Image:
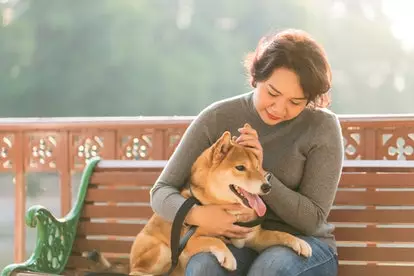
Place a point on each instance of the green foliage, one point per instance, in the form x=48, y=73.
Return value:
x=159, y=57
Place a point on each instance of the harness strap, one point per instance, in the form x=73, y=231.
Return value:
x=177, y=244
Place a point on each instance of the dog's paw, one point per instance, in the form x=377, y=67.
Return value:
x=302, y=248
x=226, y=259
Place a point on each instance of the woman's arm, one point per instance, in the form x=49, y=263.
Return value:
x=308, y=207
x=165, y=197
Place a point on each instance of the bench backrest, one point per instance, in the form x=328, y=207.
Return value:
x=374, y=218
x=116, y=208
x=373, y=214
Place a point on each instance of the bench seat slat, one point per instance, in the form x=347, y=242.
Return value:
x=103, y=246
x=376, y=254
x=107, y=211
x=368, y=270
x=372, y=216
x=81, y=263
x=375, y=198
x=117, y=195
x=86, y=228
x=377, y=180
x=128, y=178
x=373, y=234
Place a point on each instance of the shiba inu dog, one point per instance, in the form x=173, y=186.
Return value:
x=224, y=173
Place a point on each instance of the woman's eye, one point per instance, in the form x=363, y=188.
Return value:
x=241, y=168
x=271, y=94
x=295, y=103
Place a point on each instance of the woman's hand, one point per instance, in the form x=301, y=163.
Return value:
x=249, y=138
x=216, y=220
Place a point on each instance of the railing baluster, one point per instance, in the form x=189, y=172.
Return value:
x=20, y=203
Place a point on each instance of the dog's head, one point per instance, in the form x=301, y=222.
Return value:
x=229, y=173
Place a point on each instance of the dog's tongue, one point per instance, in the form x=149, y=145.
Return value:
x=255, y=202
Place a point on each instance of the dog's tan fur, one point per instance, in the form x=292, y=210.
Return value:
x=211, y=175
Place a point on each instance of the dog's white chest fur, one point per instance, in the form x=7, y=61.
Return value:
x=240, y=243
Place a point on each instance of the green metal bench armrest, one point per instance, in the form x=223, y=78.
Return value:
x=55, y=237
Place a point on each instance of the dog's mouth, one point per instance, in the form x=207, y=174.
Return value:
x=250, y=200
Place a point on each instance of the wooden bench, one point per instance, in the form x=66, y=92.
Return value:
x=373, y=212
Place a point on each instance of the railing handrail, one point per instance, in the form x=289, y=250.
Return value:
x=62, y=123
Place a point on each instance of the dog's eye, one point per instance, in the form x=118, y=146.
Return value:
x=241, y=168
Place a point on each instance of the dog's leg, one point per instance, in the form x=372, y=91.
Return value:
x=214, y=245
x=266, y=238
x=149, y=256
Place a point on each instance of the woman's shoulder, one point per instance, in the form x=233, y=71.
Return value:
x=324, y=124
x=322, y=117
x=227, y=106
x=229, y=103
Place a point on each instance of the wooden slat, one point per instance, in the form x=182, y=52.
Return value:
x=375, y=198
x=374, y=234
x=30, y=274
x=103, y=246
x=105, y=165
x=96, y=211
x=374, y=270
x=110, y=229
x=376, y=254
x=372, y=216
x=136, y=178
x=379, y=165
x=82, y=263
x=371, y=180
x=117, y=195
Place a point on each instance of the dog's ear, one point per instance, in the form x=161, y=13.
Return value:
x=221, y=147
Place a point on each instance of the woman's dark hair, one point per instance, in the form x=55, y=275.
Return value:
x=297, y=51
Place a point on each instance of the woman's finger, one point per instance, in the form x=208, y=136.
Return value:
x=247, y=217
x=251, y=131
x=245, y=137
x=251, y=143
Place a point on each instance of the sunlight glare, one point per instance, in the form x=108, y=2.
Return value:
x=400, y=14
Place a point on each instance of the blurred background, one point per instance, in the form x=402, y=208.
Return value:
x=174, y=57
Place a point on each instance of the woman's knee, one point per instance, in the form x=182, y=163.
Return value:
x=276, y=260
x=281, y=261
x=203, y=264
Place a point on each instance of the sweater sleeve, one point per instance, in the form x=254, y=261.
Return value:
x=308, y=207
x=165, y=197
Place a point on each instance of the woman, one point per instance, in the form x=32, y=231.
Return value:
x=300, y=145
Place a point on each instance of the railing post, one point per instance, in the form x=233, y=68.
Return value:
x=20, y=196
x=370, y=144
x=158, y=145
x=64, y=169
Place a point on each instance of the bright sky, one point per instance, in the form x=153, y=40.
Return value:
x=401, y=14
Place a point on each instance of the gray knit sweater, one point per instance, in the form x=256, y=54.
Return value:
x=304, y=156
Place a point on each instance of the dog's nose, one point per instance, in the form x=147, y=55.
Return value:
x=266, y=187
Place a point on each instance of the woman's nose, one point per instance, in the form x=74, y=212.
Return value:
x=279, y=107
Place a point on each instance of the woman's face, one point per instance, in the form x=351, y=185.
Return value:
x=280, y=97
